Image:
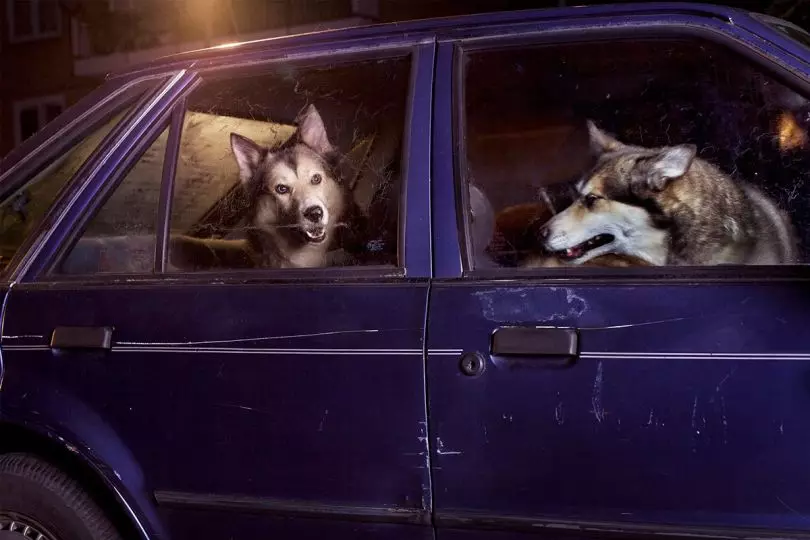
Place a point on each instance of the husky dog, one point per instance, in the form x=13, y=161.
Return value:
x=666, y=206
x=296, y=199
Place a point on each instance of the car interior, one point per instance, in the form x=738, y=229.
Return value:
x=526, y=141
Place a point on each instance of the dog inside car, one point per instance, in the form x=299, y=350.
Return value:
x=666, y=206
x=296, y=200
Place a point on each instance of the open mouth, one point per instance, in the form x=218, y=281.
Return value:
x=315, y=235
x=588, y=245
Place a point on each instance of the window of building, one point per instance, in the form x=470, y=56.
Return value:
x=31, y=115
x=296, y=167
x=633, y=152
x=33, y=19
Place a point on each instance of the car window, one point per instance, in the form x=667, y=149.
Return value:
x=120, y=237
x=296, y=166
x=625, y=153
x=22, y=212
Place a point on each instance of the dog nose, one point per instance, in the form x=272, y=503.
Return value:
x=542, y=234
x=314, y=214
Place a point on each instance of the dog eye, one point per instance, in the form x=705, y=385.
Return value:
x=590, y=199
x=281, y=189
x=316, y=179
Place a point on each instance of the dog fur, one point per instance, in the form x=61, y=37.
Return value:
x=296, y=197
x=514, y=242
x=667, y=206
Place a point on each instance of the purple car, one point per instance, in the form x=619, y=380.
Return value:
x=528, y=274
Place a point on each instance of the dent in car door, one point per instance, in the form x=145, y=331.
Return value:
x=683, y=412
x=291, y=403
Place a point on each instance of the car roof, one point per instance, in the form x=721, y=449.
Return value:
x=429, y=26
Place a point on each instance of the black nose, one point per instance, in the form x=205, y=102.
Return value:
x=314, y=214
x=542, y=234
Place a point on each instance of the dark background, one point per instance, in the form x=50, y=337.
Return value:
x=52, y=52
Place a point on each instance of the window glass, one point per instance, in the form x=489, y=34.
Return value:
x=29, y=122
x=291, y=168
x=48, y=16
x=643, y=152
x=22, y=17
x=23, y=211
x=121, y=236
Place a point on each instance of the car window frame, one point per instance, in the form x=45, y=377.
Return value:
x=716, y=33
x=41, y=254
x=60, y=136
x=410, y=49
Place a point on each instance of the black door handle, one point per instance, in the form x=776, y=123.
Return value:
x=82, y=337
x=535, y=341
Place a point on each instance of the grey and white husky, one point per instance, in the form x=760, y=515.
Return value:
x=667, y=206
x=296, y=198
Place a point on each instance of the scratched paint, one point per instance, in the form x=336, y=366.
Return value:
x=596, y=397
x=442, y=451
x=250, y=340
x=559, y=414
x=510, y=304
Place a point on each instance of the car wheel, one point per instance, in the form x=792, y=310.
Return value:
x=40, y=502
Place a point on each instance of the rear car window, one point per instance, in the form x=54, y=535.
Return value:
x=627, y=153
x=295, y=166
x=283, y=166
x=120, y=239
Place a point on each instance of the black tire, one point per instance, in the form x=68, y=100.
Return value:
x=40, y=502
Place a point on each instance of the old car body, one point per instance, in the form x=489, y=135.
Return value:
x=371, y=401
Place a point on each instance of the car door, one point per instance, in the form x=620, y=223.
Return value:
x=245, y=401
x=611, y=399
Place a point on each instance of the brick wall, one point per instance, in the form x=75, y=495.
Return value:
x=34, y=69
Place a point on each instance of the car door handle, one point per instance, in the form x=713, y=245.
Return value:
x=535, y=341
x=82, y=337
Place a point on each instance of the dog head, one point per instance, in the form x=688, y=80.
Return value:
x=619, y=206
x=294, y=191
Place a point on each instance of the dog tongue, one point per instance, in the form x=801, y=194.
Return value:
x=573, y=252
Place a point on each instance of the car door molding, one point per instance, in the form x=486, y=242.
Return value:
x=601, y=529
x=288, y=508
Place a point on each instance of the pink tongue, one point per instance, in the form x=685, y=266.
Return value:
x=573, y=253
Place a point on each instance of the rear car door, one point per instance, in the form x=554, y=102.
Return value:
x=245, y=401
x=614, y=400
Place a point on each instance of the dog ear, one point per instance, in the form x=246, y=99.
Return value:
x=248, y=155
x=600, y=141
x=312, y=132
x=670, y=163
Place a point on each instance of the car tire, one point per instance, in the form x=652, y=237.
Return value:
x=40, y=502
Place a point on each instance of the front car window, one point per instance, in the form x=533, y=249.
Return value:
x=623, y=153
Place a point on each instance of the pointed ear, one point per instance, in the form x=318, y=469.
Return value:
x=670, y=163
x=312, y=132
x=248, y=156
x=600, y=141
